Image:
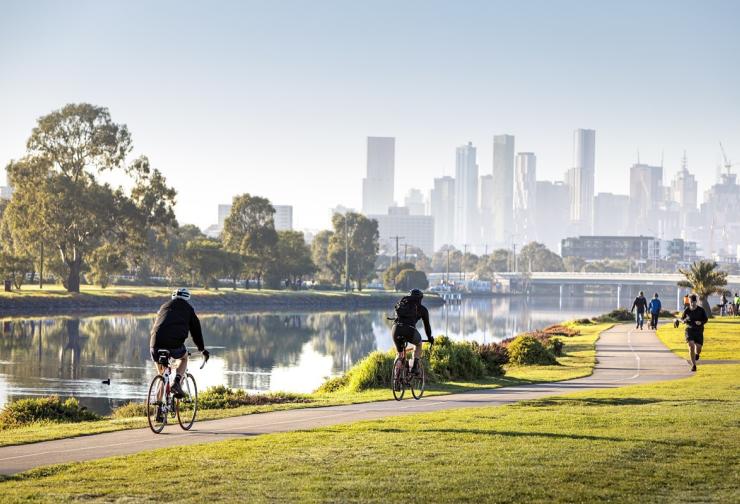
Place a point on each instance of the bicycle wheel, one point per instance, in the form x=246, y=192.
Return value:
x=397, y=379
x=155, y=401
x=187, y=405
x=418, y=382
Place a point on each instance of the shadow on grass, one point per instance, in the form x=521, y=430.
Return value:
x=611, y=401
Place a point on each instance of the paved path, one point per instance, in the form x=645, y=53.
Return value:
x=624, y=357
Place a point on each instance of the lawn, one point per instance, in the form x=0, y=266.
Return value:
x=721, y=339
x=577, y=362
x=676, y=441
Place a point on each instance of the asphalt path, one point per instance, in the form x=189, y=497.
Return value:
x=625, y=356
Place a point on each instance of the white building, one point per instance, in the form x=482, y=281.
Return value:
x=580, y=179
x=503, y=187
x=552, y=209
x=442, y=203
x=223, y=212
x=487, y=202
x=467, y=230
x=378, y=184
x=414, y=201
x=611, y=214
x=414, y=230
x=646, y=197
x=283, y=217
x=525, y=197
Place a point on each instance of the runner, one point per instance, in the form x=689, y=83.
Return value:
x=695, y=318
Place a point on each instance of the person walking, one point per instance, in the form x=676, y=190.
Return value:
x=695, y=319
x=723, y=305
x=654, y=308
x=686, y=300
x=639, y=306
x=736, y=302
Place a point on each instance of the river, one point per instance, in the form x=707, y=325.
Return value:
x=292, y=352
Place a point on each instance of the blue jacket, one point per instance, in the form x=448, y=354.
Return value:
x=655, y=306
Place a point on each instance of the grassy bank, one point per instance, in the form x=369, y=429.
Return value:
x=721, y=341
x=578, y=361
x=676, y=441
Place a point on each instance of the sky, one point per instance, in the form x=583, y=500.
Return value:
x=276, y=98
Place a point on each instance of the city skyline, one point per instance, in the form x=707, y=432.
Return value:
x=196, y=96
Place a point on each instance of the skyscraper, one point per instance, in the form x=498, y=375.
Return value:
x=414, y=201
x=377, y=186
x=552, y=209
x=443, y=210
x=223, y=212
x=684, y=189
x=283, y=217
x=611, y=214
x=467, y=231
x=580, y=179
x=525, y=194
x=503, y=187
x=487, y=191
x=646, y=195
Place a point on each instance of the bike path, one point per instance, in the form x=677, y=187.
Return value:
x=625, y=356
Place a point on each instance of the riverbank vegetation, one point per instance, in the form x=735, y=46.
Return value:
x=607, y=445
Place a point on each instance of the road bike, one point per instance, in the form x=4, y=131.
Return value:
x=402, y=377
x=161, y=404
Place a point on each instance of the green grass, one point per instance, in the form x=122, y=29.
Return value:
x=578, y=362
x=721, y=339
x=676, y=441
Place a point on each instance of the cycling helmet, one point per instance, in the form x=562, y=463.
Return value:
x=416, y=293
x=181, y=293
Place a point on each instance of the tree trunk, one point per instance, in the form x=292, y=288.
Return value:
x=704, y=303
x=73, y=279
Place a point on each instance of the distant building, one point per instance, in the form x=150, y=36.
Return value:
x=684, y=189
x=551, y=211
x=503, y=187
x=525, y=197
x=442, y=202
x=416, y=230
x=646, y=196
x=223, y=212
x=611, y=214
x=487, y=203
x=378, y=184
x=414, y=201
x=283, y=217
x=467, y=230
x=598, y=248
x=580, y=179
x=719, y=235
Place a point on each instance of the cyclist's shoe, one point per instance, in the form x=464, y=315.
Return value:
x=160, y=414
x=177, y=390
x=397, y=385
x=415, y=368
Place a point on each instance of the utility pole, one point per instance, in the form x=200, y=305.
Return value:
x=447, y=280
x=346, y=254
x=41, y=268
x=486, y=249
x=462, y=263
x=396, y=238
x=405, y=249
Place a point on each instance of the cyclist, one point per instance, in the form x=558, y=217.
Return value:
x=409, y=311
x=654, y=308
x=695, y=317
x=641, y=304
x=175, y=319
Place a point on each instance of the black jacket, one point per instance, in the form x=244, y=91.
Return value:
x=421, y=314
x=693, y=316
x=174, y=319
x=640, y=303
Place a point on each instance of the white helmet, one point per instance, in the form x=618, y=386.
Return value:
x=181, y=293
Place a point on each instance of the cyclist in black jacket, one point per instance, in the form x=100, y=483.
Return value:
x=175, y=319
x=404, y=327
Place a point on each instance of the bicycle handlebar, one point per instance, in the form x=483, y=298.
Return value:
x=205, y=359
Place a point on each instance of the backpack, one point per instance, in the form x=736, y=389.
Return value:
x=407, y=310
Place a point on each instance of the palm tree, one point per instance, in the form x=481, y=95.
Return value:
x=704, y=279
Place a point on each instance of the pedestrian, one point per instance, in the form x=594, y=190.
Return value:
x=639, y=305
x=686, y=300
x=654, y=308
x=695, y=318
x=737, y=304
x=723, y=305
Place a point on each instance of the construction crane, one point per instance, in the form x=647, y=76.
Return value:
x=727, y=164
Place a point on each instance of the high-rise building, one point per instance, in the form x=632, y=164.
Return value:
x=283, y=217
x=551, y=211
x=684, y=189
x=414, y=201
x=442, y=202
x=503, y=186
x=377, y=186
x=467, y=231
x=525, y=196
x=719, y=236
x=223, y=212
x=487, y=199
x=646, y=196
x=611, y=214
x=580, y=179
x=416, y=230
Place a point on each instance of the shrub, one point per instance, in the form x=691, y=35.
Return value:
x=618, y=315
x=130, y=410
x=50, y=409
x=333, y=384
x=494, y=357
x=221, y=397
x=408, y=279
x=584, y=321
x=450, y=360
x=561, y=330
x=665, y=314
x=527, y=349
x=374, y=371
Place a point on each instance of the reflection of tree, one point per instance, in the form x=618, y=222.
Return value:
x=347, y=337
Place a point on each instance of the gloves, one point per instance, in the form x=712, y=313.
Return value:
x=431, y=340
x=206, y=353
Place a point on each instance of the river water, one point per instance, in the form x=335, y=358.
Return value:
x=292, y=352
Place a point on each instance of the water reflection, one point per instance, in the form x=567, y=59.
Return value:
x=259, y=352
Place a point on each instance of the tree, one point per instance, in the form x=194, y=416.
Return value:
x=439, y=259
x=362, y=236
x=495, y=262
x=390, y=274
x=293, y=259
x=250, y=230
x=106, y=261
x=326, y=270
x=535, y=256
x=15, y=268
x=408, y=279
x=205, y=258
x=57, y=196
x=704, y=279
x=573, y=264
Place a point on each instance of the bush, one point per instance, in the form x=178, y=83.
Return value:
x=494, y=357
x=221, y=397
x=333, y=384
x=450, y=360
x=408, y=279
x=618, y=315
x=50, y=409
x=561, y=330
x=130, y=410
x=527, y=349
x=374, y=371
x=665, y=314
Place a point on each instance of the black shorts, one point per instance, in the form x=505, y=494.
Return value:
x=697, y=338
x=403, y=334
x=175, y=353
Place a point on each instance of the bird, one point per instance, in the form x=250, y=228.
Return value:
x=106, y=382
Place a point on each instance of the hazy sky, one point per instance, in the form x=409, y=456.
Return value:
x=276, y=98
